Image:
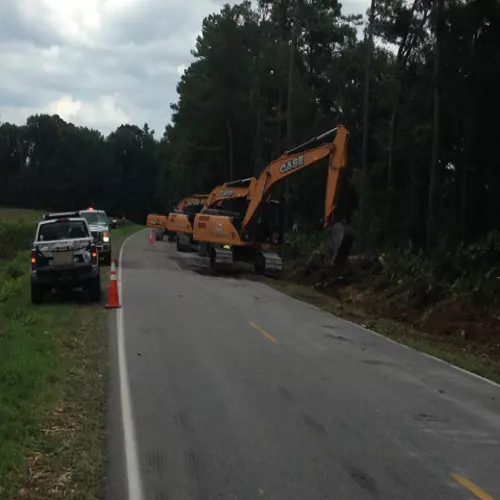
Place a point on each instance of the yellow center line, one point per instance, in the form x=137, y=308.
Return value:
x=473, y=488
x=261, y=330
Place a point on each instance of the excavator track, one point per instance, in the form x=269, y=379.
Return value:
x=268, y=263
x=220, y=256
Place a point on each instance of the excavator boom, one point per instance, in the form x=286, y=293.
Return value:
x=292, y=162
x=191, y=200
x=230, y=190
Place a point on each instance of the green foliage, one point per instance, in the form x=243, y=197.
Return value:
x=11, y=286
x=417, y=278
x=33, y=372
x=428, y=278
x=25, y=364
x=14, y=237
x=55, y=165
x=301, y=244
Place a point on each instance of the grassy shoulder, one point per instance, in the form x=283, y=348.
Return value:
x=52, y=388
x=443, y=302
x=482, y=359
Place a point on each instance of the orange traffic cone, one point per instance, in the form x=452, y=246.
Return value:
x=113, y=299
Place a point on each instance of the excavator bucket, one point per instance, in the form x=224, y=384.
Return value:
x=341, y=240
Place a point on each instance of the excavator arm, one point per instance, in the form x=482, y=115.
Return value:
x=298, y=159
x=231, y=190
x=191, y=200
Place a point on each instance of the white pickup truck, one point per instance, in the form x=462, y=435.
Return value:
x=64, y=255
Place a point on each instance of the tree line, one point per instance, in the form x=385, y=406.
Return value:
x=53, y=165
x=415, y=82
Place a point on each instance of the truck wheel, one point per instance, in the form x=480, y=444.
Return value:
x=158, y=235
x=37, y=292
x=95, y=289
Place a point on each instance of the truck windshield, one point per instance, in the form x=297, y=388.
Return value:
x=96, y=218
x=63, y=230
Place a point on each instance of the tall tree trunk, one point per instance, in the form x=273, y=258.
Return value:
x=363, y=211
x=431, y=205
x=392, y=142
x=463, y=220
x=404, y=51
x=289, y=110
x=366, y=102
x=257, y=165
x=278, y=120
x=469, y=120
x=231, y=148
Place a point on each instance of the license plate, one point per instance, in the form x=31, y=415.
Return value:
x=63, y=258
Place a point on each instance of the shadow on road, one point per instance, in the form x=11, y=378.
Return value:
x=75, y=296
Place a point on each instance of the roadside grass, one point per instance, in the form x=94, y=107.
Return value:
x=464, y=354
x=53, y=361
x=17, y=228
x=20, y=215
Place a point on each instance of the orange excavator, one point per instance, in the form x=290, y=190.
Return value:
x=257, y=236
x=221, y=196
x=155, y=220
x=229, y=197
x=178, y=220
x=159, y=222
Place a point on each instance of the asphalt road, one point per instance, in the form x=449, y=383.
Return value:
x=240, y=392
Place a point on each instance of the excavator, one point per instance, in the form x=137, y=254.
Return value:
x=159, y=222
x=230, y=196
x=178, y=220
x=225, y=195
x=257, y=236
x=155, y=220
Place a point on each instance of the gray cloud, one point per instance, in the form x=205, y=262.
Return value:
x=152, y=20
x=15, y=25
x=99, y=63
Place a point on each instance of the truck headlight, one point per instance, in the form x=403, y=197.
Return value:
x=87, y=257
x=105, y=237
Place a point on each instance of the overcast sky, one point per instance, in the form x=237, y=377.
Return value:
x=99, y=63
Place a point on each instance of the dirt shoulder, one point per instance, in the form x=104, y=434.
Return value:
x=53, y=365
x=455, y=330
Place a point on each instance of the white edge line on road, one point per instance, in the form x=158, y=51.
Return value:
x=442, y=361
x=132, y=464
